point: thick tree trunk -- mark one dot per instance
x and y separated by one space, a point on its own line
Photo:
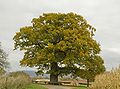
54 75
88 82
53 78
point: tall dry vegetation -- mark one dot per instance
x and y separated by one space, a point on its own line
15 80
108 80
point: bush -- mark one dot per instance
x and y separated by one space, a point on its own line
15 80
108 80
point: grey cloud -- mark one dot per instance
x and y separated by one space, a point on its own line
111 58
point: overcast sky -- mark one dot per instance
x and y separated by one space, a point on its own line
104 15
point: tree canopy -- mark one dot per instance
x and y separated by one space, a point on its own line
58 43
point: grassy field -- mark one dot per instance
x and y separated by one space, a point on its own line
81 87
34 86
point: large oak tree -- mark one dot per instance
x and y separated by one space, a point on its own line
59 44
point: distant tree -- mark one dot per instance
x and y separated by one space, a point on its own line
93 67
57 43
3 60
2 71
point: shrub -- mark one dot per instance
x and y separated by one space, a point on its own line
15 80
108 80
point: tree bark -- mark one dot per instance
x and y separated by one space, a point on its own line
53 79
54 75
88 82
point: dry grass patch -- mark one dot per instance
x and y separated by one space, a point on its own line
108 80
18 81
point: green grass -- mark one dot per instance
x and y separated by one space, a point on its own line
81 87
37 86
34 86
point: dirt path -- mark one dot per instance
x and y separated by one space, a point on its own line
58 87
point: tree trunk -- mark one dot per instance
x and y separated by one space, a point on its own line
88 82
53 78
54 75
